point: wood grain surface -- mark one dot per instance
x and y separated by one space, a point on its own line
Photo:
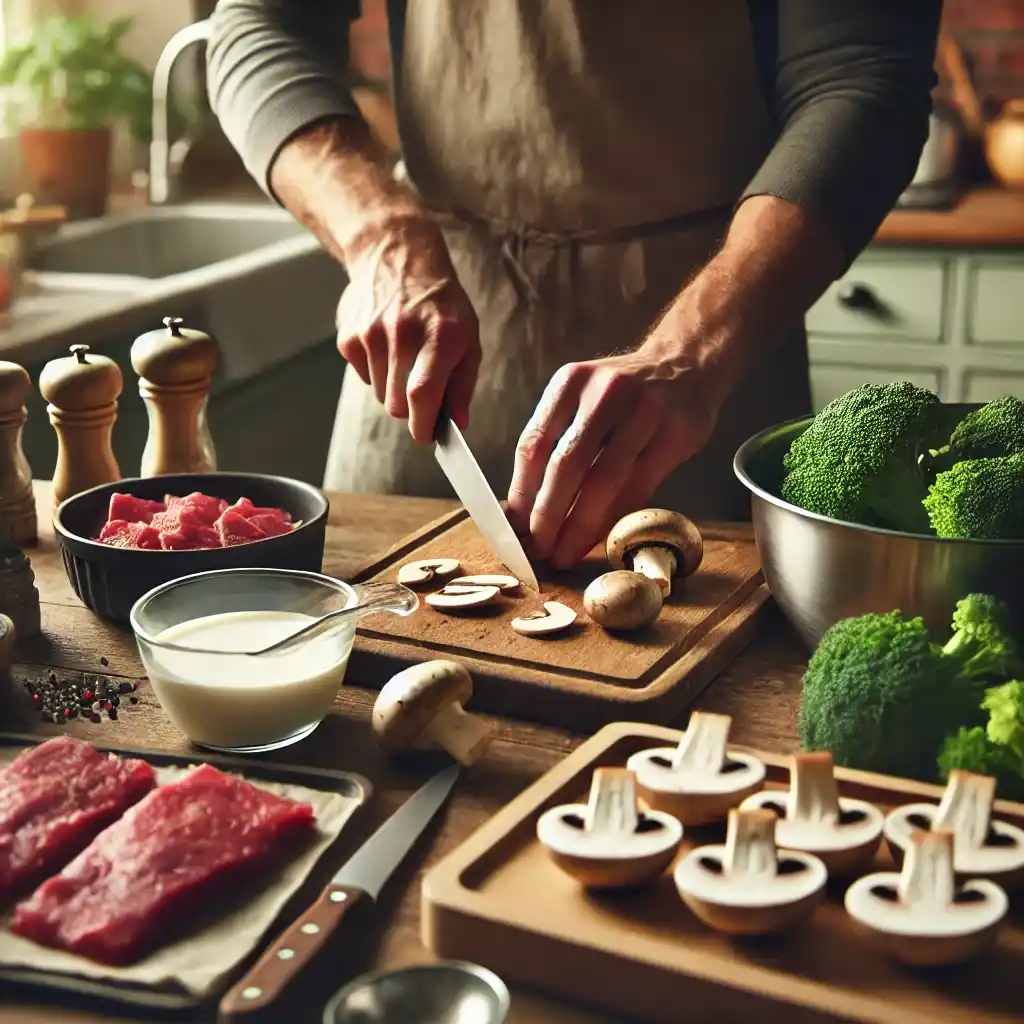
760 690
991 217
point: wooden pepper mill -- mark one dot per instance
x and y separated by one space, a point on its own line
82 390
17 502
175 368
19 598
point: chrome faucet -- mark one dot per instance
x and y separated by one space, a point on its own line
165 159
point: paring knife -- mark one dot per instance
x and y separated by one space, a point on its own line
466 476
361 877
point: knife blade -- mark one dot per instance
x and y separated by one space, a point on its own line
466 476
361 877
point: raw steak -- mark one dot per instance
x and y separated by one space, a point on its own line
119 534
187 843
234 528
133 510
54 799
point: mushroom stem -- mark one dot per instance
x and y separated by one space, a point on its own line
814 794
612 806
750 844
460 733
702 749
658 563
927 879
966 808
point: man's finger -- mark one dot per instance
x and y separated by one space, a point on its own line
354 354
404 345
375 343
443 347
462 385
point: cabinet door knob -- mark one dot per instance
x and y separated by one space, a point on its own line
858 296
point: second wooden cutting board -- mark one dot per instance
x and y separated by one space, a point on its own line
585 677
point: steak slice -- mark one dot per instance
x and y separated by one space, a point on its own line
184 845
54 800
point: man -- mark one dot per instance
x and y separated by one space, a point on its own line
612 219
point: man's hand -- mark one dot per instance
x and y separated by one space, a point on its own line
406 326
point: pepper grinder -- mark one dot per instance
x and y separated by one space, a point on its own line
82 391
19 598
17 502
175 368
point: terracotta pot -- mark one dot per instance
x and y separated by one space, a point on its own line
1004 144
71 168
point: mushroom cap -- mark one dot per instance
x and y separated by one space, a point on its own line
655 772
425 569
656 527
859 823
553 619
455 597
561 830
410 700
623 600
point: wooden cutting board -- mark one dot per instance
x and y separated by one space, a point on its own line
585 677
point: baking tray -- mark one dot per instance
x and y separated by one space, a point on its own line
167 1002
499 900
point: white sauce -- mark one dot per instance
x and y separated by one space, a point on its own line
234 701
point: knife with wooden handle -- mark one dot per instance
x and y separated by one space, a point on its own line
361 878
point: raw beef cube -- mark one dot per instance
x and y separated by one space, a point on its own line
236 529
54 799
171 541
244 507
186 844
271 525
130 509
206 507
119 534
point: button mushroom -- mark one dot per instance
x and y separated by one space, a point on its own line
554 618
461 598
487 579
920 916
421 706
699 780
426 570
622 600
982 847
657 542
842 832
608 842
747 886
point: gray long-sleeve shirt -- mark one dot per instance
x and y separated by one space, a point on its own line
849 85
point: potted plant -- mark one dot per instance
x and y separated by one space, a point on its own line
66 86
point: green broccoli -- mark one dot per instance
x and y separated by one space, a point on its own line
1005 707
971 750
981 499
983 644
859 459
994 430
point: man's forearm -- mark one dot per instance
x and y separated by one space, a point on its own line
774 264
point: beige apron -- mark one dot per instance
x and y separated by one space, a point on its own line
584 156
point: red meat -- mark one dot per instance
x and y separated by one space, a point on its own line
119 534
54 799
187 843
132 509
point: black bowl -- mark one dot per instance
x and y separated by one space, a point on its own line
110 580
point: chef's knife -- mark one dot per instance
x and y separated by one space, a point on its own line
455 458
361 877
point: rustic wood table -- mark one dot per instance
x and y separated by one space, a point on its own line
759 691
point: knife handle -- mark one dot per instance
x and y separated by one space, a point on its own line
293 950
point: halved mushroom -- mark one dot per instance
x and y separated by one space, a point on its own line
421 706
842 832
554 618
699 780
487 579
657 542
462 597
747 886
426 570
921 916
608 842
982 847
622 600
8 638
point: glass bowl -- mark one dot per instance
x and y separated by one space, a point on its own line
202 639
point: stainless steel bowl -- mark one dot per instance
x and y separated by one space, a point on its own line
821 570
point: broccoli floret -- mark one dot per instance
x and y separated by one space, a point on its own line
971 750
1005 707
983 644
981 499
994 430
859 459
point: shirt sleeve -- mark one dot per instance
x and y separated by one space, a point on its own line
273 68
851 94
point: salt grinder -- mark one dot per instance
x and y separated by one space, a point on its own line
82 391
17 502
19 598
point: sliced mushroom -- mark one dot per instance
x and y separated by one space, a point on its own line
982 847
699 780
421 706
657 542
426 570
461 598
747 886
622 600
487 579
554 618
921 916
608 842
842 832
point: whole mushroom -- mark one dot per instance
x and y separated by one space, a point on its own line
421 706
623 600
658 543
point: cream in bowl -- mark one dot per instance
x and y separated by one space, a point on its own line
248 660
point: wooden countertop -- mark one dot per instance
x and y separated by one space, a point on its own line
760 691
991 217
